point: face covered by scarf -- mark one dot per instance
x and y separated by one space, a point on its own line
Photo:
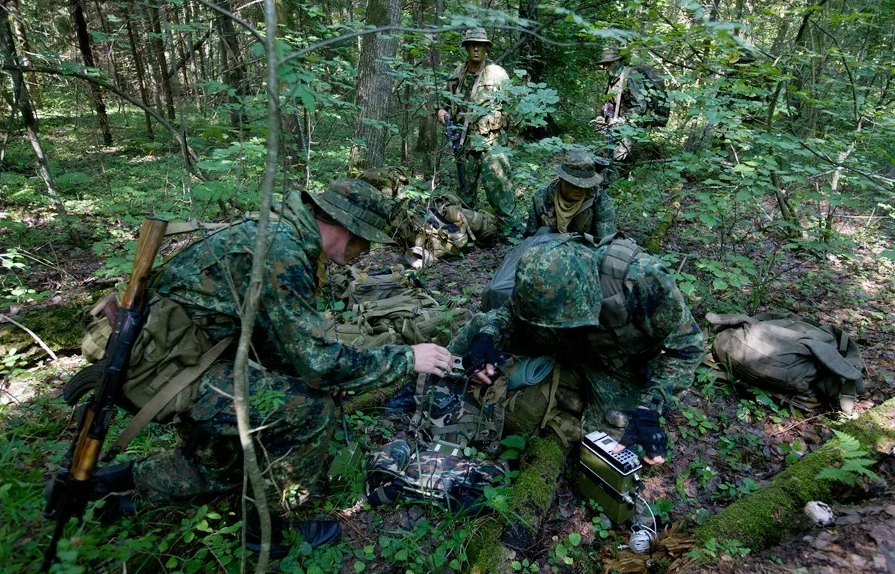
567 200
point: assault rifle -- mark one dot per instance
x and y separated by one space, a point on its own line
73 484
454 133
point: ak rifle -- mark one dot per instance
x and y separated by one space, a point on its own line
73 483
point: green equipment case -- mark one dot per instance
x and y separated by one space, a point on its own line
608 478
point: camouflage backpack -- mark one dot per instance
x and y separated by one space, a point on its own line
389 307
439 228
397 471
785 354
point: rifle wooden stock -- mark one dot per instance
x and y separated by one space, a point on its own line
72 485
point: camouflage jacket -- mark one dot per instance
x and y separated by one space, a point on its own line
480 103
595 216
657 309
633 86
211 277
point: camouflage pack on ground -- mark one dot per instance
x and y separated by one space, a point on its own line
785 354
440 227
388 307
398 470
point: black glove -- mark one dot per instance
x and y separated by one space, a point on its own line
644 429
481 352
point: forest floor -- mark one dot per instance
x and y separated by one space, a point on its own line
726 440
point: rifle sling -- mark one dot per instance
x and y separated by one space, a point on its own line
167 393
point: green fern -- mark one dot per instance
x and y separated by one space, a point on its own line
855 464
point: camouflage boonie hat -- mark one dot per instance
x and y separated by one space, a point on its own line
358 206
476 35
610 54
558 286
578 169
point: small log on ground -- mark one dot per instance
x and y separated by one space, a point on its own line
371 399
533 493
776 512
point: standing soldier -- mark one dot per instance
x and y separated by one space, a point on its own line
477 109
294 416
636 95
575 201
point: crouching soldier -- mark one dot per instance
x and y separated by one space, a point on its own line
301 367
573 202
609 311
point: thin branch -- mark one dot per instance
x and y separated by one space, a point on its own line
386 29
5 318
879 180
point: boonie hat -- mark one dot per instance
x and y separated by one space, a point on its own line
476 35
578 169
357 206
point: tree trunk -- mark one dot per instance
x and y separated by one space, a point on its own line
234 67
161 60
374 84
77 7
141 74
18 29
429 136
23 103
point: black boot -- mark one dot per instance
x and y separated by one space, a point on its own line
315 532
114 479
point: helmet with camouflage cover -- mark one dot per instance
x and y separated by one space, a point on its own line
558 285
357 206
479 35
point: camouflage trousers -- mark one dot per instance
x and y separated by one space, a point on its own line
490 170
208 458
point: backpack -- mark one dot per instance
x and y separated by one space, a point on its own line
657 103
785 354
439 228
397 471
389 307
170 347
500 289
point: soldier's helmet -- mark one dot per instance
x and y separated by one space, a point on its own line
475 35
610 55
357 206
558 286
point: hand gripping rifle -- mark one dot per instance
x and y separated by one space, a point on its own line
73 483
454 133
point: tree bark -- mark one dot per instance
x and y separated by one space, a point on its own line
374 84
161 60
141 74
18 29
234 67
23 103
77 7
429 136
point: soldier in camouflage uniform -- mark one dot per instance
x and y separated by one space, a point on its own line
625 97
477 83
609 310
573 202
299 368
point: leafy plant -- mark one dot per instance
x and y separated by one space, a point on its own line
855 465
713 550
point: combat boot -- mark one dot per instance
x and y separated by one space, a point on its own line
315 532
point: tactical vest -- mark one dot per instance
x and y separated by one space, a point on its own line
617 337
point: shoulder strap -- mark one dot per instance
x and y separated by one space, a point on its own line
166 394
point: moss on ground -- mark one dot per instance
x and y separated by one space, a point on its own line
533 493
776 512
58 327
